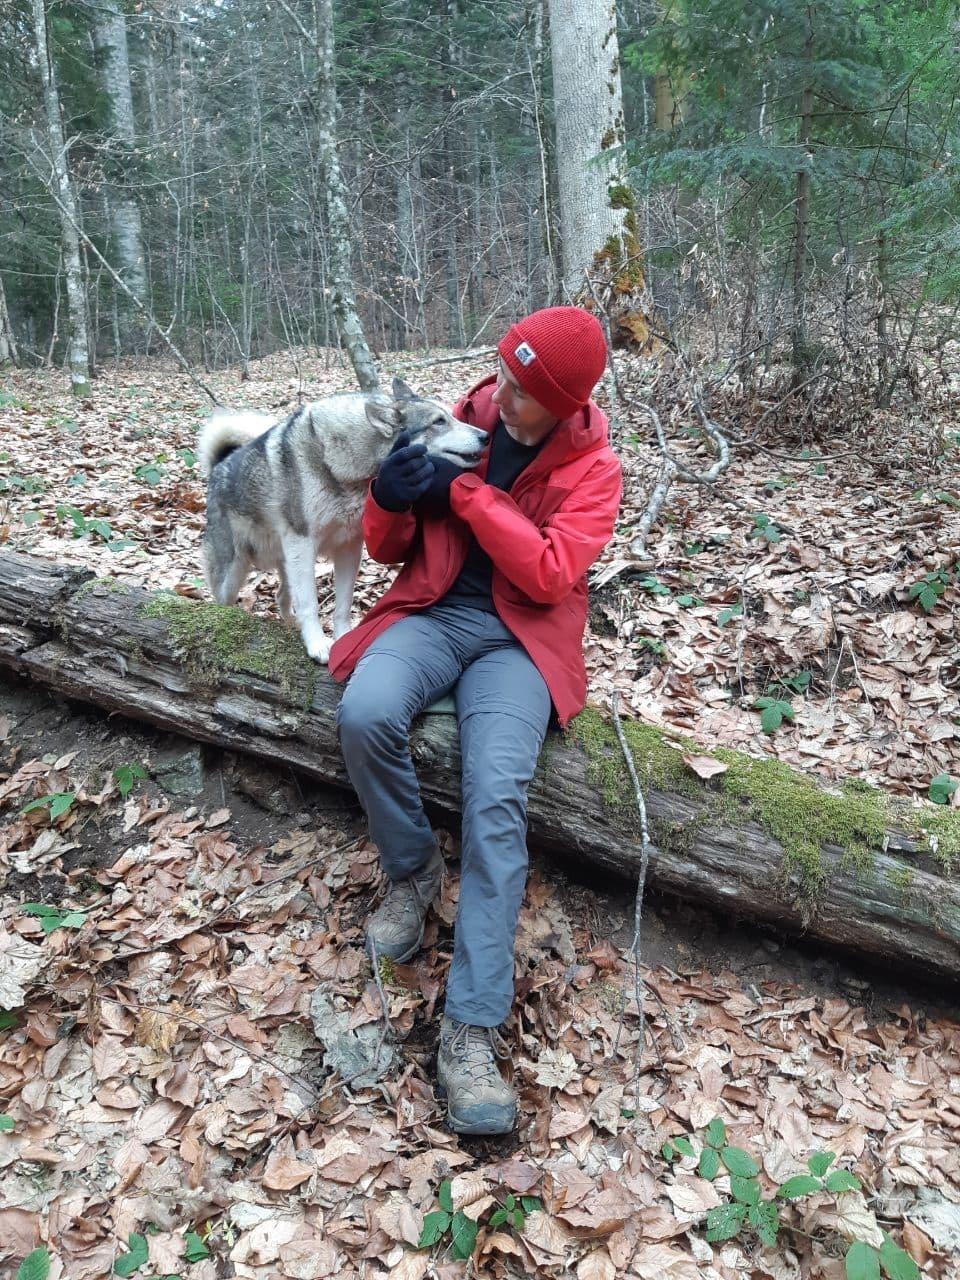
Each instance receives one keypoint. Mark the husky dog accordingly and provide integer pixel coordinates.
(280, 495)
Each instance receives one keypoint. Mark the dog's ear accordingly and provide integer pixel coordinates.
(402, 392)
(383, 412)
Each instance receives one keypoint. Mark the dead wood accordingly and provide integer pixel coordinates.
(148, 657)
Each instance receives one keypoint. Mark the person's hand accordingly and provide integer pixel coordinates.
(404, 475)
(435, 500)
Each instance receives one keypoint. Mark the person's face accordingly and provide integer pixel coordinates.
(518, 409)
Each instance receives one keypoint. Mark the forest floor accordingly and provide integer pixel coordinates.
(163, 1078)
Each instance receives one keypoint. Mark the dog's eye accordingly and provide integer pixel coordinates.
(439, 422)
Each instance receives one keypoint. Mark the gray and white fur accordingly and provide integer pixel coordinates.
(279, 496)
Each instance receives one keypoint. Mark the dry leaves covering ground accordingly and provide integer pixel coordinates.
(162, 1068)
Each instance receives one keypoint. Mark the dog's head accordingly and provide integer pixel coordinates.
(426, 422)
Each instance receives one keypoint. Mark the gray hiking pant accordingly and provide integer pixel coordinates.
(503, 709)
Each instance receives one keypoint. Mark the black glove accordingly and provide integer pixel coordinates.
(403, 476)
(435, 501)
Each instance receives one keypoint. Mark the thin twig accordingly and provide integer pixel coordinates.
(384, 1005)
(645, 847)
(482, 353)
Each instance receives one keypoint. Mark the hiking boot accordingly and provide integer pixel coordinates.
(479, 1100)
(396, 928)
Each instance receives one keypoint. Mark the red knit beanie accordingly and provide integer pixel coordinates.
(557, 355)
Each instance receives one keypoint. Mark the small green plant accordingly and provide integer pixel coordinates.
(689, 601)
(125, 775)
(150, 472)
(444, 1222)
(649, 583)
(773, 712)
(82, 526)
(653, 645)
(35, 1266)
(462, 1230)
(196, 1250)
(6, 1124)
(512, 1213)
(763, 527)
(798, 683)
(56, 805)
(729, 613)
(26, 484)
(30, 518)
(942, 788)
(127, 1263)
(78, 479)
(53, 918)
(930, 588)
(748, 1208)
(187, 457)
(8, 1019)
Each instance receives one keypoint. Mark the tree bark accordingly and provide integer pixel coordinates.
(8, 341)
(77, 350)
(588, 107)
(800, 337)
(338, 218)
(110, 41)
(127, 651)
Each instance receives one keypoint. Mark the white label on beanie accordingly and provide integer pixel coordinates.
(525, 354)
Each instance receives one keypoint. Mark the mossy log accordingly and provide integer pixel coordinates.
(758, 841)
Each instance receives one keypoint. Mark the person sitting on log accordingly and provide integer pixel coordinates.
(490, 604)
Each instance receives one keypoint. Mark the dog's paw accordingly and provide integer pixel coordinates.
(319, 649)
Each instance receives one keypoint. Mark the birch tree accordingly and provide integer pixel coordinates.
(343, 297)
(110, 42)
(77, 354)
(588, 110)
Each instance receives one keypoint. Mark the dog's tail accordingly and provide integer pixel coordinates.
(226, 430)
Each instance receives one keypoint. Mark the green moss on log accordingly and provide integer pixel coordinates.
(213, 640)
(787, 805)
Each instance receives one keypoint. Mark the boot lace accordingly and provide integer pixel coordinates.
(473, 1046)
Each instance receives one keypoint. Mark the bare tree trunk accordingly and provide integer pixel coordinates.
(77, 350)
(800, 340)
(110, 41)
(588, 104)
(884, 344)
(8, 343)
(547, 202)
(338, 218)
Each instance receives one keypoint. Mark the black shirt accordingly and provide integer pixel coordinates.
(508, 459)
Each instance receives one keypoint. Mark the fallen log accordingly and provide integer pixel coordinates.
(757, 840)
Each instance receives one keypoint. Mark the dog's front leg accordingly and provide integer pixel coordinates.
(346, 565)
(299, 565)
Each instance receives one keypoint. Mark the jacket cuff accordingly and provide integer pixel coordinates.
(462, 491)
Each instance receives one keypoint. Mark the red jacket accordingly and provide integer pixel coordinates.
(542, 537)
